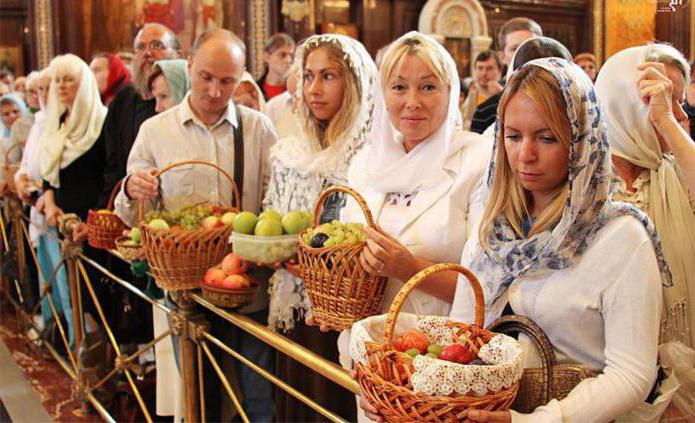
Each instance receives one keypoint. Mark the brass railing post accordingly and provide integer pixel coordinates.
(186, 320)
(70, 250)
(15, 211)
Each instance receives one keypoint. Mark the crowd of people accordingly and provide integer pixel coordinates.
(567, 189)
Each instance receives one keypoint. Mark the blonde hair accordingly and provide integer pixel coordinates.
(346, 116)
(422, 47)
(508, 198)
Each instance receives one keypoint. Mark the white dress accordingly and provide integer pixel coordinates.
(603, 313)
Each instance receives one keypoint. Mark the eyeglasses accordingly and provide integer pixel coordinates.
(155, 45)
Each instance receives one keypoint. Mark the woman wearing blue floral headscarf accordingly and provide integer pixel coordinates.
(553, 246)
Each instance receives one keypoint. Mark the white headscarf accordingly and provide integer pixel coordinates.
(303, 151)
(632, 137)
(390, 168)
(246, 77)
(62, 145)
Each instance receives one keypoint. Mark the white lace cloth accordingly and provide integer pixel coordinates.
(503, 356)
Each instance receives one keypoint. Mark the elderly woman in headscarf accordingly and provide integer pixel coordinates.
(71, 159)
(641, 89)
(111, 74)
(249, 94)
(12, 108)
(169, 83)
(551, 245)
(335, 97)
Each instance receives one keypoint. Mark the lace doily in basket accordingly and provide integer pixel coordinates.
(503, 355)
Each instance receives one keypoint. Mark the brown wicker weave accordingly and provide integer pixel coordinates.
(10, 169)
(129, 252)
(385, 379)
(103, 229)
(340, 290)
(540, 385)
(179, 260)
(229, 298)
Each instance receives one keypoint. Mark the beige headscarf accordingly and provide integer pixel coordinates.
(632, 137)
(62, 145)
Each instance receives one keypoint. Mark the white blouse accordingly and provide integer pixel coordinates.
(603, 313)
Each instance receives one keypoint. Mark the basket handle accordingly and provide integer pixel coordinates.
(12, 147)
(339, 188)
(414, 281)
(114, 191)
(235, 191)
(520, 324)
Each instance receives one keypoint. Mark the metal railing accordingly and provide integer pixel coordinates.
(187, 321)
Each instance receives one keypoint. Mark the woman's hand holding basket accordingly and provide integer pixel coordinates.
(385, 256)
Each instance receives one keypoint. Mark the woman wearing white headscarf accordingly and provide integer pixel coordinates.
(553, 246)
(71, 160)
(640, 90)
(335, 107)
(249, 94)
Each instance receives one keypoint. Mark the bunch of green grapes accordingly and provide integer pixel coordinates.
(335, 233)
(192, 217)
(153, 214)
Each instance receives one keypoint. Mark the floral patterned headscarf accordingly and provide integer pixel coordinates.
(588, 206)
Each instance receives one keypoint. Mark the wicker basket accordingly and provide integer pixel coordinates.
(179, 260)
(10, 169)
(340, 290)
(129, 252)
(550, 381)
(103, 229)
(228, 298)
(385, 379)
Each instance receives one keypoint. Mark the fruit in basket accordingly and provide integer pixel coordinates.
(268, 227)
(435, 349)
(337, 233)
(130, 243)
(135, 235)
(245, 222)
(233, 265)
(457, 353)
(212, 222)
(158, 224)
(413, 352)
(318, 239)
(228, 218)
(412, 339)
(294, 222)
(104, 211)
(270, 214)
(214, 276)
(236, 282)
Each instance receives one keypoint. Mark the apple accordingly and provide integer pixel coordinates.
(212, 222)
(294, 222)
(135, 235)
(236, 282)
(268, 227)
(214, 276)
(270, 214)
(245, 222)
(158, 224)
(228, 218)
(233, 265)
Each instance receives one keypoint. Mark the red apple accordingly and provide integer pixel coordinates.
(233, 265)
(412, 339)
(214, 276)
(212, 222)
(457, 353)
(236, 282)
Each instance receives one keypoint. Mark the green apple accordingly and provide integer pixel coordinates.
(228, 218)
(245, 222)
(294, 222)
(135, 235)
(270, 214)
(268, 227)
(160, 224)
